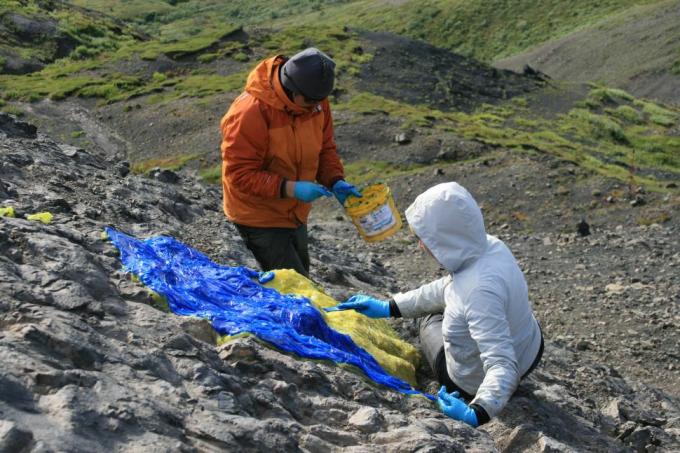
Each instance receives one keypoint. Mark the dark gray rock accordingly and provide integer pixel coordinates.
(13, 438)
(164, 175)
(16, 129)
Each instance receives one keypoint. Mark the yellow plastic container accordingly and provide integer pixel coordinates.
(374, 214)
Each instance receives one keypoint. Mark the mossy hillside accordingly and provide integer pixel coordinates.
(68, 78)
(63, 27)
(93, 77)
(484, 29)
(610, 132)
(153, 15)
(170, 163)
(637, 148)
(180, 45)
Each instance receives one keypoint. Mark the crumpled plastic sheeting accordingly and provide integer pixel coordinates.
(394, 355)
(7, 212)
(235, 303)
(44, 217)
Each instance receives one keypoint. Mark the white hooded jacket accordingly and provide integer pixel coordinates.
(491, 337)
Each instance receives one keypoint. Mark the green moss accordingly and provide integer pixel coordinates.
(604, 95)
(241, 56)
(626, 113)
(207, 57)
(658, 114)
(77, 134)
(370, 104)
(206, 85)
(13, 110)
(182, 46)
(662, 120)
(211, 175)
(365, 172)
(656, 218)
(600, 126)
(170, 163)
(344, 46)
(484, 29)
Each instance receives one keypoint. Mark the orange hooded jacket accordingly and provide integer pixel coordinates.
(266, 140)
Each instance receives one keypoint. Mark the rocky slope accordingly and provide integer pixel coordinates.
(89, 364)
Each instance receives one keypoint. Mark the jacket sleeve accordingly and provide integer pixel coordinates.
(489, 328)
(427, 299)
(245, 140)
(330, 167)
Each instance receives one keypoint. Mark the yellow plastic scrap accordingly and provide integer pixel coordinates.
(158, 300)
(7, 212)
(44, 217)
(395, 355)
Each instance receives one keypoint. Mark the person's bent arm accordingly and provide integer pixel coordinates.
(425, 300)
(488, 325)
(245, 140)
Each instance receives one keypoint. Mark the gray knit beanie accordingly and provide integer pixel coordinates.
(310, 73)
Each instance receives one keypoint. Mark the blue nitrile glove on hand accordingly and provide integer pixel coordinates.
(366, 305)
(264, 277)
(342, 189)
(456, 408)
(309, 191)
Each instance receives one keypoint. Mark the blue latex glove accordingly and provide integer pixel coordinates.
(342, 189)
(264, 277)
(309, 191)
(366, 305)
(451, 405)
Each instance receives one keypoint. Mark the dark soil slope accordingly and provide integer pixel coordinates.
(419, 73)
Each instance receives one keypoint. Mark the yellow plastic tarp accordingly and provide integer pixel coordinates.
(44, 217)
(7, 212)
(395, 355)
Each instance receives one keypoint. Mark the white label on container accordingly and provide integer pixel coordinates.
(378, 220)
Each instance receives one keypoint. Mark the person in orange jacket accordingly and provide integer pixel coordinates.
(279, 155)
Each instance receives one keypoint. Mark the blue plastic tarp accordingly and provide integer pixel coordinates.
(235, 303)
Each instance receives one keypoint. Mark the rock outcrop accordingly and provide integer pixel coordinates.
(91, 364)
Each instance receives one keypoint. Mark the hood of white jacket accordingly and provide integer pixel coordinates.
(449, 222)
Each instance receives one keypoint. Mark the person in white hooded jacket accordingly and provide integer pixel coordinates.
(479, 333)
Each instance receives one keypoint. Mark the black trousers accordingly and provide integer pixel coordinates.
(278, 248)
(432, 345)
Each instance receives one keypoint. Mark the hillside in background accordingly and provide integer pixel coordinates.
(561, 38)
(190, 58)
(638, 50)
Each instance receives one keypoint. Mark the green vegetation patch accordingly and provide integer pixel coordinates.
(619, 137)
(342, 45)
(45, 31)
(364, 172)
(170, 163)
(154, 16)
(211, 175)
(181, 46)
(485, 29)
